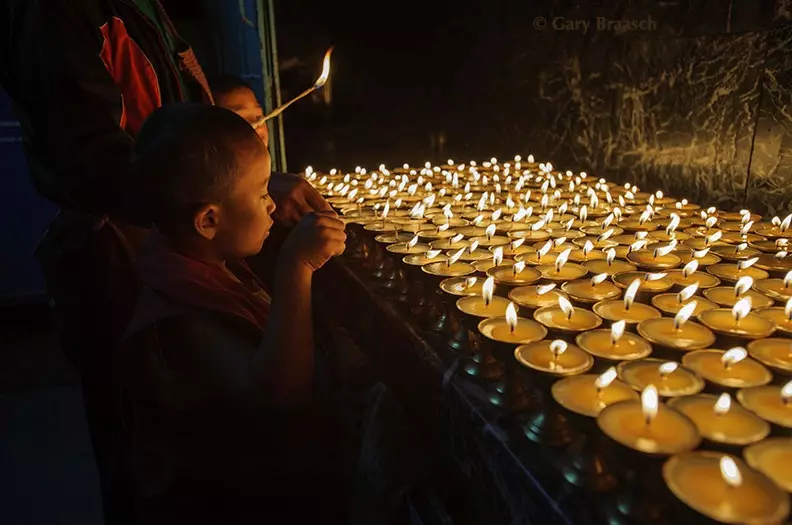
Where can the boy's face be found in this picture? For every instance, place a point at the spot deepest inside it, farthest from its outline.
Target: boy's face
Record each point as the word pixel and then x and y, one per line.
pixel 243 102
pixel 245 216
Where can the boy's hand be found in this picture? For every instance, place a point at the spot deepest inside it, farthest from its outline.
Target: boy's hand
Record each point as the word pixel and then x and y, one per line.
pixel 295 197
pixel 314 241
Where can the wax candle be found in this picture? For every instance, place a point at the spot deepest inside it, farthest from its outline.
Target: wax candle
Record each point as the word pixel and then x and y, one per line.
pixel 561 273
pixel 770 402
pixel 772 457
pixel 780 316
pixel 778 289
pixel 516 275
pixel 650 282
pixel 449 268
pixel 530 235
pixel 655 259
pixel 484 305
pixel 565 318
pixel 627 310
pixel 553 357
pixel 486 265
pixel 737 321
pixel 670 379
pixel 432 256
pixel 677 333
pixel 512 329
pixel 735 252
pixel 703 257
pixel 591 290
pixel 649 426
pixel 614 344
pixel 725 296
pixel 533 297
pixel 672 303
pixel 731 369
pixel 730 273
pixel 721 421
pixel 724 488
pixel 689 275
pixel 462 286
pixel 408 248
pixel 589 394
pixel 393 237
pixel 451 243
pixel 775 353
pixel 609 266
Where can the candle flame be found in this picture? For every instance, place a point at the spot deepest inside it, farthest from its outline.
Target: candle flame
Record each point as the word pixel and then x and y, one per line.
pixel 733 356
pixel 684 314
pixel 566 307
pixel 604 236
pixel 667 368
pixel 497 256
pixel 788 309
pixel 715 237
pixel 325 69
pixel 665 250
pixel 583 214
pixel 559 241
pixel 617 331
pixel 711 222
pixel 690 268
pixel 431 254
pixel 743 285
pixel 473 246
pixel 538 225
pixel 672 226
pixel 741 309
pixel 742 265
pixel 487 289
pixel 545 249
pixel 654 276
pixel 587 248
pixel 597 279
pixel 746 227
pixel 412 242
pixel 687 292
pixel 637 245
pixel 496 214
pixel 478 220
pixel 610 255
pixel 543 289
pixel 730 473
pixel 490 231
pixel 649 403
pixel 786 393
pixel 605 379
pixel 517 243
pixel 562 259
pixel 518 267
pixel 511 316
pixel 722 405
pixel 784 226
pixel 456 238
pixel 558 347
pixel 454 258
pixel 629 294
pixel 470 282
pixel 699 254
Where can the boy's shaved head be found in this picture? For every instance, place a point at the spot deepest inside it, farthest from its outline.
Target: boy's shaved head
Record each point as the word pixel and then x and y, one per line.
pixel 188 155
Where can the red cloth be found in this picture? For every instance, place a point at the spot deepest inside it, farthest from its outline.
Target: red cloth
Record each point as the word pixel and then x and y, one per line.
pixel 195 283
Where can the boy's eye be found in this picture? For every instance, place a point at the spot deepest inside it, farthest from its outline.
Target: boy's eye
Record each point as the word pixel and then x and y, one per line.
pixel 265 196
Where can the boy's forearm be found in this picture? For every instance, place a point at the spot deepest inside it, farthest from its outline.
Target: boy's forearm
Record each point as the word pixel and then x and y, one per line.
pixel 285 362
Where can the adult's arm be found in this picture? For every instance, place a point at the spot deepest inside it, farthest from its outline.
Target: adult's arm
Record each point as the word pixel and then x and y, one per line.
pixel 68 104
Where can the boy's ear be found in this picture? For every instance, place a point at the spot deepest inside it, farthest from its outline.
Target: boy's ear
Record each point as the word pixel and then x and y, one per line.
pixel 206 221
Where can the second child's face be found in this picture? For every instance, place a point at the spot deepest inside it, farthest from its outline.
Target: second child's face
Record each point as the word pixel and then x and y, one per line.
pixel 243 102
pixel 246 214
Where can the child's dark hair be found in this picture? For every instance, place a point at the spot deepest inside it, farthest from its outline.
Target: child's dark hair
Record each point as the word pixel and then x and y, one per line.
pixel 186 155
pixel 225 84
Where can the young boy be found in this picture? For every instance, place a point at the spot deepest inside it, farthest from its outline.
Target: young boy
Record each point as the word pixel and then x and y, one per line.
pixel 218 373
pixel 233 93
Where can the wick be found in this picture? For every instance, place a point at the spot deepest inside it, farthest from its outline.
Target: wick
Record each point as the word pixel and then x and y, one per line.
pixel 512 327
pixel 599 392
pixel 648 420
pixel 569 315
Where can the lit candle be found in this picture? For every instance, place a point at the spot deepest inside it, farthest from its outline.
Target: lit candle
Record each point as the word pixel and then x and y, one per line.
pixel 431 256
pixel 589 394
pixel 554 357
pixel 512 329
pixel 560 271
pixel 649 426
pixel 457 242
pixel 728 297
pixel 730 273
pixel 704 257
pixel 651 283
pixel 670 379
pixel 718 420
pixel 409 248
pixel 485 305
pixel 772 457
pixel 614 344
pixel 773 352
pixel 689 275
pixel 490 239
pixel 724 489
pixel 671 303
pixel 533 297
pixel 609 266
pixel 591 290
pixel 677 333
pixel 450 268
pixel 543 255
pixel 778 289
pixel 731 369
pixel 659 258
pixel 781 316
pixel 771 403
pixel 626 310
pixel 566 318
pixel 516 275
pixel 738 322
pixel 462 286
